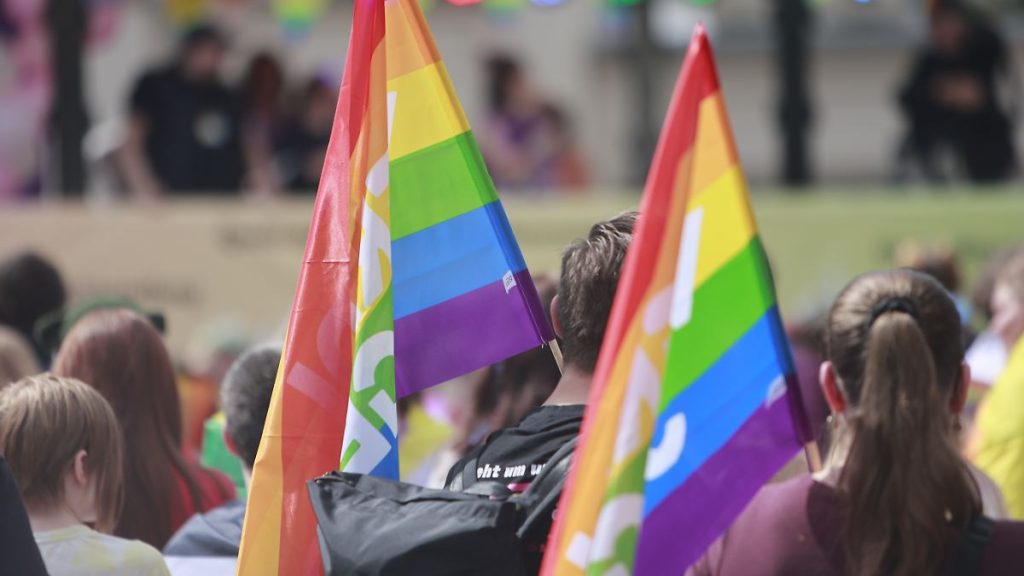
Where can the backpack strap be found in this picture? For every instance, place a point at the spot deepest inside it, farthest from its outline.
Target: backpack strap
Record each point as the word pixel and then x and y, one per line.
pixel 543 493
pixel 492 490
pixel 972 545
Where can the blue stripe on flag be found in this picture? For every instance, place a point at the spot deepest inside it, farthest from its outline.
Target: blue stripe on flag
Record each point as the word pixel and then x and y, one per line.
pixel 717 404
pixel 452 258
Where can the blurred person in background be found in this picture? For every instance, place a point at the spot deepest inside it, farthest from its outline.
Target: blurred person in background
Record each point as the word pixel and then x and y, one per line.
pixel 30 288
pixel 302 148
pixel 17 359
pixel 988 354
pixel 564 167
pixel 121 354
pixel 997 443
pixel 262 94
pixel 65 448
pixel 940 261
pixel 212 347
pixel 525 146
pixel 896 498
pixel 245 398
pixel 954 99
pixel 184 133
pixel 26 91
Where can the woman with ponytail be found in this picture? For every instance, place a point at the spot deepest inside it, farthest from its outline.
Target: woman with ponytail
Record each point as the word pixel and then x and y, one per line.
pixel 895 498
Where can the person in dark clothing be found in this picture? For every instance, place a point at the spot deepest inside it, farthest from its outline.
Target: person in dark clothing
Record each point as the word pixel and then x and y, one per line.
pixel 302 146
pixel 18 551
pixel 185 130
pixel 590 275
pixel 952 100
pixel 896 497
pixel 245 398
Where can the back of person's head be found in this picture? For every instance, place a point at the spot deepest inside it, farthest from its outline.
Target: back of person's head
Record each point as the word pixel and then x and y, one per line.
pixel 30 288
pixel 245 399
pixel 1007 300
pixel 586 290
pixel 17 360
pixel 895 346
pixel 120 354
pixel 46 422
pixel 264 80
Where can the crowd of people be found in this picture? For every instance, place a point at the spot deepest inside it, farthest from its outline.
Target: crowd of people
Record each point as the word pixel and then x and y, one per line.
pixel 190 133
pixel 920 414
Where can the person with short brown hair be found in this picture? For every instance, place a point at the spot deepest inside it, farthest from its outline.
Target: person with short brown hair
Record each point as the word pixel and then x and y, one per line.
pixel 590 276
pixel 64 445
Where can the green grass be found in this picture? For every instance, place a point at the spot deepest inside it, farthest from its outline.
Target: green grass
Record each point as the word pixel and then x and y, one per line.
pixel 817 241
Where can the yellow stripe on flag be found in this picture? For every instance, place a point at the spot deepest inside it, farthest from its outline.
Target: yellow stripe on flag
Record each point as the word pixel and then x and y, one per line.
pixel 727 223
pixel 426 110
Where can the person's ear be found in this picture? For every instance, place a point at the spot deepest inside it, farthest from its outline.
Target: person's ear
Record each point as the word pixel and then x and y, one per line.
pixel 830 387
pixel 960 390
pixel 554 317
pixel 79 468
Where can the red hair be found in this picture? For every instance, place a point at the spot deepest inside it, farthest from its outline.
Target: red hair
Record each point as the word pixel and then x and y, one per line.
pixel 120 354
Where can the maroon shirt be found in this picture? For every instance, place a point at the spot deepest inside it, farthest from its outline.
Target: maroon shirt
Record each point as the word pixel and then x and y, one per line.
pixel 794 527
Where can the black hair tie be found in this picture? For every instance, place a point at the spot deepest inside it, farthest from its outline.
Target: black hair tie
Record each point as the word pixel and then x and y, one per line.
pixel 894 304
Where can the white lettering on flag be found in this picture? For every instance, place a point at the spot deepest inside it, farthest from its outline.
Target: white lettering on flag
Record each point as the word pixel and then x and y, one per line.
pixel 686 270
pixel 663 457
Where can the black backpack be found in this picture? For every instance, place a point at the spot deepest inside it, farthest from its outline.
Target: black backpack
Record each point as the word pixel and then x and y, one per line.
pixel 376 527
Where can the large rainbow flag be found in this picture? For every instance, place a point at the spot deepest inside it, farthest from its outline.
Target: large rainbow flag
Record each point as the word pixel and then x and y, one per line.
pixel 692 405
pixel 411 276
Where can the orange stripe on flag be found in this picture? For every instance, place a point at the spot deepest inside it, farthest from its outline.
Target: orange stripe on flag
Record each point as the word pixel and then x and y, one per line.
pixel 408 48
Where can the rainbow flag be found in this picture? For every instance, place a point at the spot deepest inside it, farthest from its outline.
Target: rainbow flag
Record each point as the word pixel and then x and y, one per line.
pixel 411 276
pixel 438 253
pixel 692 405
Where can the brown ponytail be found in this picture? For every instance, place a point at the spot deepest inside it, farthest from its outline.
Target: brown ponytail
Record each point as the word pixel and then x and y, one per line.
pixel 894 340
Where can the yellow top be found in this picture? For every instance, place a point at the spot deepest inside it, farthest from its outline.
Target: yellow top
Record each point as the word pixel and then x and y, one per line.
pixel 79 550
pixel 998 447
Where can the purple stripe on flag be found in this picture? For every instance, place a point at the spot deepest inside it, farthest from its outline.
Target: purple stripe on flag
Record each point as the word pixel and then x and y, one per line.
pixel 676 533
pixel 468 332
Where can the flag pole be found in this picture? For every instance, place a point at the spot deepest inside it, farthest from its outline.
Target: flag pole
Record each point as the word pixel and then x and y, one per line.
pixel 556 352
pixel 813 455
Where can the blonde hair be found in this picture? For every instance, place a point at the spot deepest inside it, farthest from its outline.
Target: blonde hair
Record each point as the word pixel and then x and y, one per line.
pixel 44 421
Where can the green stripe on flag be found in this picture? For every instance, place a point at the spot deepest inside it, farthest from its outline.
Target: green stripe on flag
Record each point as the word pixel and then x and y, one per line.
pixel 438 183
pixel 725 307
